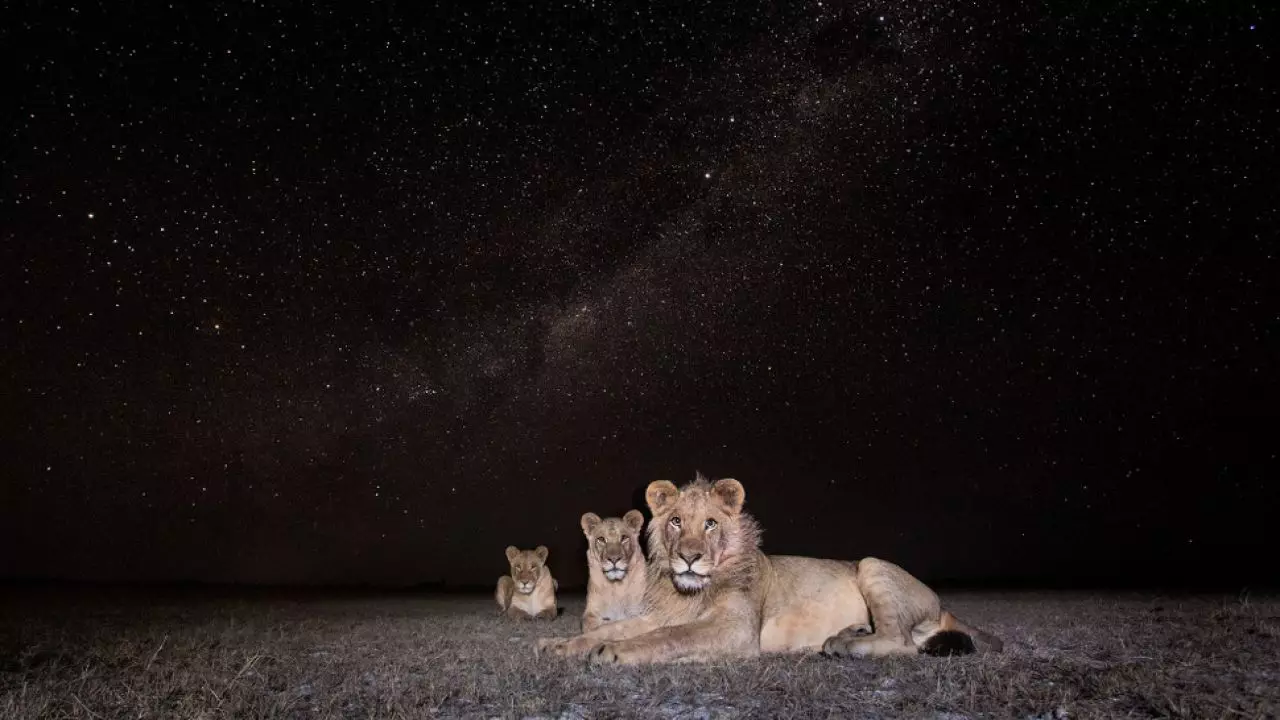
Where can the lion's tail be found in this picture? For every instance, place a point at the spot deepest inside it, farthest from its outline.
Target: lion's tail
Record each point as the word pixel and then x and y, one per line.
pixel 986 640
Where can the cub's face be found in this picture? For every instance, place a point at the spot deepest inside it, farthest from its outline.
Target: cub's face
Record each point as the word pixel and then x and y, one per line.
pixel 697 527
pixel 614 542
pixel 527 567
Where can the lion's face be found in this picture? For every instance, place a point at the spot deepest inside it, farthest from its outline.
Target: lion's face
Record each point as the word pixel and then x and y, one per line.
pixel 614 542
pixel 526 567
pixel 696 528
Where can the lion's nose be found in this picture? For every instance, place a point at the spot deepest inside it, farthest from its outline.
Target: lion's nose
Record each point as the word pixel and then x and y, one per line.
pixel 690 559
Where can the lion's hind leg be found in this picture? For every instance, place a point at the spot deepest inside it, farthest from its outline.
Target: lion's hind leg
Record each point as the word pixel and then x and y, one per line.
pixel 897 603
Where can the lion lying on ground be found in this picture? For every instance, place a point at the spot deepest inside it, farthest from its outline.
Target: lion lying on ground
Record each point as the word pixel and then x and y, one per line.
pixel 529 591
pixel 712 594
pixel 615 569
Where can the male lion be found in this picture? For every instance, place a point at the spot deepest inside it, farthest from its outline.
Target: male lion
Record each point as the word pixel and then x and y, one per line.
pixel 529 591
pixel 712 594
pixel 615 569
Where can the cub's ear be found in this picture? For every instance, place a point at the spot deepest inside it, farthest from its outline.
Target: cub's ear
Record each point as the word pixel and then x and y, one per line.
pixel 589 522
pixel 541 552
pixel 661 496
pixel 729 493
pixel 512 552
pixel 633 520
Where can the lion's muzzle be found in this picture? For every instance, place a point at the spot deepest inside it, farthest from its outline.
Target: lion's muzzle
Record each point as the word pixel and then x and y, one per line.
pixel 690 573
pixel 614 569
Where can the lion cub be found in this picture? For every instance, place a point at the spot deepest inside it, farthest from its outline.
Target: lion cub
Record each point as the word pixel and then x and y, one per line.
pixel 529 591
pixel 615 569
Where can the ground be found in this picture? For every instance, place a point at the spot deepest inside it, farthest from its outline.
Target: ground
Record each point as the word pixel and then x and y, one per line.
pixel 113 654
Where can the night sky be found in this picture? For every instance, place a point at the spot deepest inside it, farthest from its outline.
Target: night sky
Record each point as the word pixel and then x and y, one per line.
pixel 365 292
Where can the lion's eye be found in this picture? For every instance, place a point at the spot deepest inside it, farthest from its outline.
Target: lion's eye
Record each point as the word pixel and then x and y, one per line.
pixel 675 521
pixel 600 541
pixel 710 524
pixel 626 540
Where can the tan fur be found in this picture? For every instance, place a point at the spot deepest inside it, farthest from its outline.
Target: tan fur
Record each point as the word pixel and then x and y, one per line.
pixel 712 594
pixel 529 591
pixel 613 547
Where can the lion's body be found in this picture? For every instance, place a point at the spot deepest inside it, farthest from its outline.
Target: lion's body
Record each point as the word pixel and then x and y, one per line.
pixel 712 594
pixel 529 591
pixel 806 601
pixel 616 569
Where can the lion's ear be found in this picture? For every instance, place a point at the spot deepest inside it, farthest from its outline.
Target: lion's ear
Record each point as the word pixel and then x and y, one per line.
pixel 634 520
pixel 730 494
pixel 541 552
pixel 512 552
pixel 589 522
pixel 661 495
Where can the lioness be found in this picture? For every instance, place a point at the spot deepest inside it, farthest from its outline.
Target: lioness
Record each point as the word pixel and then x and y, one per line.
pixel 615 569
pixel 711 594
pixel 529 591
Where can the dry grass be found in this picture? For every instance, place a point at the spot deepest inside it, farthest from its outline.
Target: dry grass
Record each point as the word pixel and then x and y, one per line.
pixel 404 655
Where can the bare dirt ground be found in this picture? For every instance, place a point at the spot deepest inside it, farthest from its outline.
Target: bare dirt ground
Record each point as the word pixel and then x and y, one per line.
pixel 260 655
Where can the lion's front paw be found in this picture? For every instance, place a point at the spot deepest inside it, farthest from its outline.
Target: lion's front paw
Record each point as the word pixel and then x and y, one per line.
pixel 606 654
pixel 564 647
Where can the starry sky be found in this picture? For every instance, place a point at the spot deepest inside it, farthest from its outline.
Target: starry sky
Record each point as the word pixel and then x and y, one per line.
pixel 364 292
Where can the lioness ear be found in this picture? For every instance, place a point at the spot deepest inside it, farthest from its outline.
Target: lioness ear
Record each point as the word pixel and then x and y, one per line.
pixel 589 522
pixel 541 552
pixel 661 495
pixel 730 494
pixel 634 520
pixel 512 552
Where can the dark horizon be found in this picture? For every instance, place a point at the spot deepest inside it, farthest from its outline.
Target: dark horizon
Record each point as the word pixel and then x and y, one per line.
pixel 341 295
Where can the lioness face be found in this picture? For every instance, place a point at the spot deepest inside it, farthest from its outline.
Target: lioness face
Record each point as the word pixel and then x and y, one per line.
pixel 696 526
pixel 614 541
pixel 526 567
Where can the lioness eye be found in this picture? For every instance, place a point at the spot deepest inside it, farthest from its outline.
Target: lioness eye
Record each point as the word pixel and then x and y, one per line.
pixel 625 540
pixel 710 524
pixel 600 541
pixel 675 521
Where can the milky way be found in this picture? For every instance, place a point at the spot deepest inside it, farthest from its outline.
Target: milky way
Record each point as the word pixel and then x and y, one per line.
pixel 329 295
